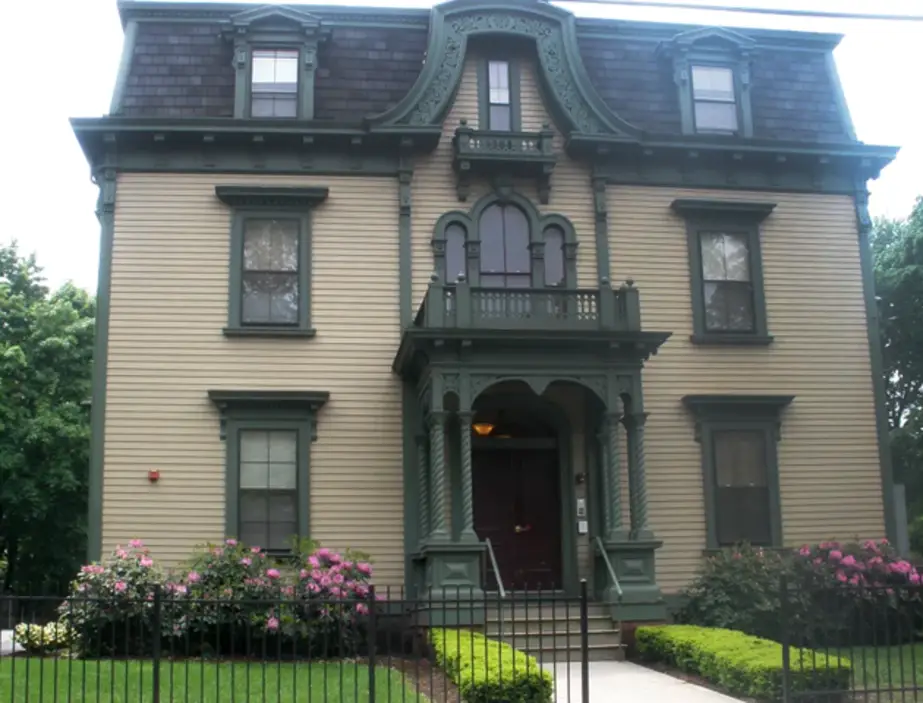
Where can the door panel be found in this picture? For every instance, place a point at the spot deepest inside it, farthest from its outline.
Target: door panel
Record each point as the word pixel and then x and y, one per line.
pixel 517 506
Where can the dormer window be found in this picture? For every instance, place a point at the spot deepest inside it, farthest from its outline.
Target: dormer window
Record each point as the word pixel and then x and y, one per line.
pixel 275 59
pixel 498 95
pixel 274 83
pixel 714 99
pixel 711 69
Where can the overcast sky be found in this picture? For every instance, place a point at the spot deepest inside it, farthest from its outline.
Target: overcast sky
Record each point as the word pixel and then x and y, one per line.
pixel 70 73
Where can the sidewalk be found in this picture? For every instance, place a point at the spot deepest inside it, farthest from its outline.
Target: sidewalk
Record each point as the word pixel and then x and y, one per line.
pixel 624 682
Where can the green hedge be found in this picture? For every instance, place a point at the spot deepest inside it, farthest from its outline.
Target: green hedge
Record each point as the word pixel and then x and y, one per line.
pixel 486 671
pixel 741 664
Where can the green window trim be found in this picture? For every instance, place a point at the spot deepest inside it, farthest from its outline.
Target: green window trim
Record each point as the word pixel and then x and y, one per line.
pixel 736 217
pixel 716 413
pixel 711 46
pixel 538 223
pixel 484 92
pixel 256 202
pixel 268 27
pixel 267 410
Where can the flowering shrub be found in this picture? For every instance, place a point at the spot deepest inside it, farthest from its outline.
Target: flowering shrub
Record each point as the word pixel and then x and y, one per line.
pixel 832 587
pixel 112 601
pixel 38 639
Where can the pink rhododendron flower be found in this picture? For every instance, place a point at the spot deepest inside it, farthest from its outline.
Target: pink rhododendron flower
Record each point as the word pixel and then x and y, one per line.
pixel 362 609
pixel 273 573
pixel 902 567
pixel 835 555
pixel 364 568
pixel 193 577
pixel 180 588
pixel 335 591
pixel 818 561
pixel 231 542
pixel 120 586
pixel 246 561
pixel 323 553
pixel 915 578
pixel 324 582
pixel 848 560
pixel 314 561
pixel 314 588
pixel 316 575
pixel 136 544
pixel 121 553
pixel 272 624
pixel 841 576
pixel 854 579
pixel 255 550
pixel 336 558
pixel 875 561
pixel 303 574
pixel 146 562
pixel 289 590
pixel 805 551
pixel 338 579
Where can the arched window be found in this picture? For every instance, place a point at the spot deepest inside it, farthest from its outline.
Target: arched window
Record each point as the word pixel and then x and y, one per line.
pixel 455 259
pixel 505 259
pixel 554 256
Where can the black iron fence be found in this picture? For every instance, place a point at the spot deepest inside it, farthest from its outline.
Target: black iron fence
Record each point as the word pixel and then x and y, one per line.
pixel 161 645
pixel 852 643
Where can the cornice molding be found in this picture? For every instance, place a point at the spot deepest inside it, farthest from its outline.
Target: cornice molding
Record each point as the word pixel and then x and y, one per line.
pixel 707 407
pixel 306 401
pixel 754 212
pixel 572 97
pixel 271 197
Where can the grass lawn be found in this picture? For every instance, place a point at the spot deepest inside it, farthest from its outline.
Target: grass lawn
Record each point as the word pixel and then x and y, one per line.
pixel 883 668
pixel 37 680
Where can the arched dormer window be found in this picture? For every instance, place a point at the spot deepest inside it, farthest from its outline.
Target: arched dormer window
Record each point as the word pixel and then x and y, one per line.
pixel 505 242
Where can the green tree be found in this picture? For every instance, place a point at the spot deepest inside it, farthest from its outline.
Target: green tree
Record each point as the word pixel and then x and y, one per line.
pixel 46 349
pixel 897 248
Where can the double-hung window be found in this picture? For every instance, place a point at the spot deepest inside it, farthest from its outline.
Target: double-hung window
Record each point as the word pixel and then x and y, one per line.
pixel 498 89
pixel 726 270
pixel 740 467
pixel 270 259
pixel 274 83
pixel 714 99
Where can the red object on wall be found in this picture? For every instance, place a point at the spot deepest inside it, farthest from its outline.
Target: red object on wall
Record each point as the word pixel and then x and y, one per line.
pixel 153 475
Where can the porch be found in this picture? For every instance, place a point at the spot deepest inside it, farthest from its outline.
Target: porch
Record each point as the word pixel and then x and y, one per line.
pixel 527 417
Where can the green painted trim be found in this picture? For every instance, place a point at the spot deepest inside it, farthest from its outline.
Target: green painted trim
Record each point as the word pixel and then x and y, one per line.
pixel 538 223
pixel 405 238
pixel 734 217
pixel 571 96
pixel 267 410
pixel 864 227
pixel 840 96
pixel 271 197
pixel 410 426
pixel 106 180
pixel 253 202
pixel 484 91
pixel 711 46
pixel 601 224
pixel 715 413
pixel 121 78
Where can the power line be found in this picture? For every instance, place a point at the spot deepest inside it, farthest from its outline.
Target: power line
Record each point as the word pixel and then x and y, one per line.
pixel 818 14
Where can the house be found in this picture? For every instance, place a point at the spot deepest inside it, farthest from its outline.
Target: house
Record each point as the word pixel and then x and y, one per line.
pixel 596 293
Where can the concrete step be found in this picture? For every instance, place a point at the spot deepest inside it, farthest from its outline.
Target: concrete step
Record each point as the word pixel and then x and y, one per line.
pixel 543 611
pixel 571 655
pixel 533 642
pixel 546 627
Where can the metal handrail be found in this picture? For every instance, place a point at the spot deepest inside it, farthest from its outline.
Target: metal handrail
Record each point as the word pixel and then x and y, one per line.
pixel 612 576
pixel 493 564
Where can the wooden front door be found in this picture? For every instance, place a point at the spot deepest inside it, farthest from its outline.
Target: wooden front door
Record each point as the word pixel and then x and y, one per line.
pixel 517 507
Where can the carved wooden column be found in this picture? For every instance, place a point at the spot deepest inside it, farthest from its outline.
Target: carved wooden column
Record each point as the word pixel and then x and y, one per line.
pixel 613 475
pixel 467 479
pixel 423 478
pixel 637 485
pixel 439 522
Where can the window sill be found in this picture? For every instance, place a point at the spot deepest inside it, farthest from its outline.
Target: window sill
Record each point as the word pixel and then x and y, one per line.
pixel 295 332
pixel 740 340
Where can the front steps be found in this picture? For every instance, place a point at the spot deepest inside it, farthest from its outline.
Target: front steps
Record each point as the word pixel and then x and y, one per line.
pixel 550 631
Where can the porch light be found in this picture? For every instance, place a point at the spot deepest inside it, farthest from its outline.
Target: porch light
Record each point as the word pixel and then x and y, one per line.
pixel 482 429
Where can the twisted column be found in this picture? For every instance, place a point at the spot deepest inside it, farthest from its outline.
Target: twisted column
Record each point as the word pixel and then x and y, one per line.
pixel 423 478
pixel 437 474
pixel 637 484
pixel 613 474
pixel 467 478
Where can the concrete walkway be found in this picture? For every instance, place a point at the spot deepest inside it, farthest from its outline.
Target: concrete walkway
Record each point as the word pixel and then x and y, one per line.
pixel 624 682
pixel 6 643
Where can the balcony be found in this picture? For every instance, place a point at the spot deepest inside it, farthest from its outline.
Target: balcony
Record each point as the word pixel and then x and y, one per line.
pixel 484 153
pixel 460 306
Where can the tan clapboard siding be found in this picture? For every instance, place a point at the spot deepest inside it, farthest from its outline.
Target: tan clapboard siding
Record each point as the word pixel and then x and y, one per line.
pixel 166 350
pixel 434 180
pixel 828 458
